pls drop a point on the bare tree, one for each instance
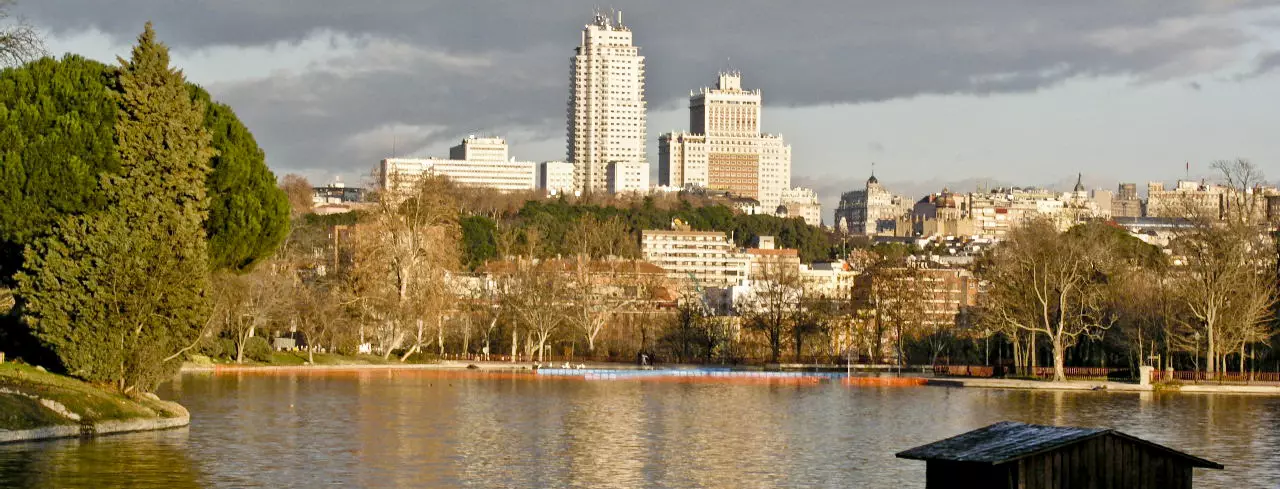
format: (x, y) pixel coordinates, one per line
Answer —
(770, 306)
(300, 193)
(247, 303)
(1227, 285)
(405, 250)
(536, 295)
(1241, 203)
(1052, 284)
(19, 42)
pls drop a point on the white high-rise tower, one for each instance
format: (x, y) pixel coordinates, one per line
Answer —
(606, 105)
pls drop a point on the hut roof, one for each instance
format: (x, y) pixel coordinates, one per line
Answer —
(1008, 441)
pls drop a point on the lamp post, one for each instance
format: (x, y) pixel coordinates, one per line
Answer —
(1197, 355)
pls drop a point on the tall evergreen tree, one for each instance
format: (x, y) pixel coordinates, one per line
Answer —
(248, 212)
(116, 293)
(57, 136)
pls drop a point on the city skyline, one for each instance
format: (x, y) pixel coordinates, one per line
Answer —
(1120, 93)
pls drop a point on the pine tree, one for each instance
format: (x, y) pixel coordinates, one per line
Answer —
(116, 293)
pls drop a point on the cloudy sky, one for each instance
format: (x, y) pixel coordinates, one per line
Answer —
(935, 92)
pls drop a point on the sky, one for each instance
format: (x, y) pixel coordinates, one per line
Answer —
(935, 93)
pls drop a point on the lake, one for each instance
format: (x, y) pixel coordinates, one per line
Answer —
(469, 430)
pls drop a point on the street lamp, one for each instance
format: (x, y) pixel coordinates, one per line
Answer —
(1197, 356)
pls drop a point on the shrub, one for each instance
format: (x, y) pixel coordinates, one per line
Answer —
(257, 349)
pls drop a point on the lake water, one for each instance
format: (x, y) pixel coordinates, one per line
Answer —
(464, 430)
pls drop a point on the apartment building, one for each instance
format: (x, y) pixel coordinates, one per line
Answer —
(702, 258)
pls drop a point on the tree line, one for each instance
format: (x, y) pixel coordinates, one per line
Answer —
(124, 189)
(1208, 304)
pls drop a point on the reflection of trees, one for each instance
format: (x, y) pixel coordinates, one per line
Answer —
(154, 459)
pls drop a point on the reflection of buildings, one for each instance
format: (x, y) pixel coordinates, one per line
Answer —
(870, 211)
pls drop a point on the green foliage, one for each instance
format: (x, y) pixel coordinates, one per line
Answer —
(248, 213)
(56, 135)
(257, 349)
(554, 220)
(116, 293)
(478, 240)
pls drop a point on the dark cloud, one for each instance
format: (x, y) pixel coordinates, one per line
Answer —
(1267, 62)
(799, 53)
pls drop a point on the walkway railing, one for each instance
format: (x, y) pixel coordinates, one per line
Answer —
(1217, 377)
(1072, 373)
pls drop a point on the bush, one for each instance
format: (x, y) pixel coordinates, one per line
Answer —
(211, 347)
(228, 348)
(257, 349)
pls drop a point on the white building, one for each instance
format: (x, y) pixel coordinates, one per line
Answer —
(802, 202)
(508, 176)
(870, 211)
(628, 177)
(724, 148)
(480, 149)
(706, 258)
(556, 177)
(606, 113)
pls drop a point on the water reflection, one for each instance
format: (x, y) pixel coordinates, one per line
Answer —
(457, 430)
(156, 459)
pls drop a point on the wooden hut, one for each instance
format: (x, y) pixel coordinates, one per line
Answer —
(1026, 456)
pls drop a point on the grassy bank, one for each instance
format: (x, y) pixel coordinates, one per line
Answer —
(30, 398)
(298, 359)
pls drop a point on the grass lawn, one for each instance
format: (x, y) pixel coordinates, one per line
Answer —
(22, 387)
(299, 358)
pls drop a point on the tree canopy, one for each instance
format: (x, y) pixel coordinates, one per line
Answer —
(116, 293)
(57, 137)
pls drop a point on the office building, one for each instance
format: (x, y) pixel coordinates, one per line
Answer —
(480, 149)
(556, 177)
(606, 112)
(724, 149)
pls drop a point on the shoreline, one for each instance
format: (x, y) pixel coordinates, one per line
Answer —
(103, 428)
(38, 405)
(952, 382)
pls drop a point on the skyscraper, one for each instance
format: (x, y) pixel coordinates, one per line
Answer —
(724, 149)
(606, 109)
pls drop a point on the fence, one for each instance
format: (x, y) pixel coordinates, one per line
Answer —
(1072, 373)
(1216, 377)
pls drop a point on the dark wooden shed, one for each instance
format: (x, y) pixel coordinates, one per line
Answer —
(1026, 456)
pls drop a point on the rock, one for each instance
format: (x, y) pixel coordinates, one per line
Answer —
(39, 368)
(151, 395)
(472, 366)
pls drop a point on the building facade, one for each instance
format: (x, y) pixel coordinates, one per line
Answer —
(724, 149)
(803, 203)
(480, 149)
(705, 258)
(870, 211)
(628, 177)
(556, 177)
(1186, 198)
(1126, 202)
(507, 176)
(606, 109)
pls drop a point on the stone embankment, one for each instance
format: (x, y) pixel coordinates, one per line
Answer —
(37, 405)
